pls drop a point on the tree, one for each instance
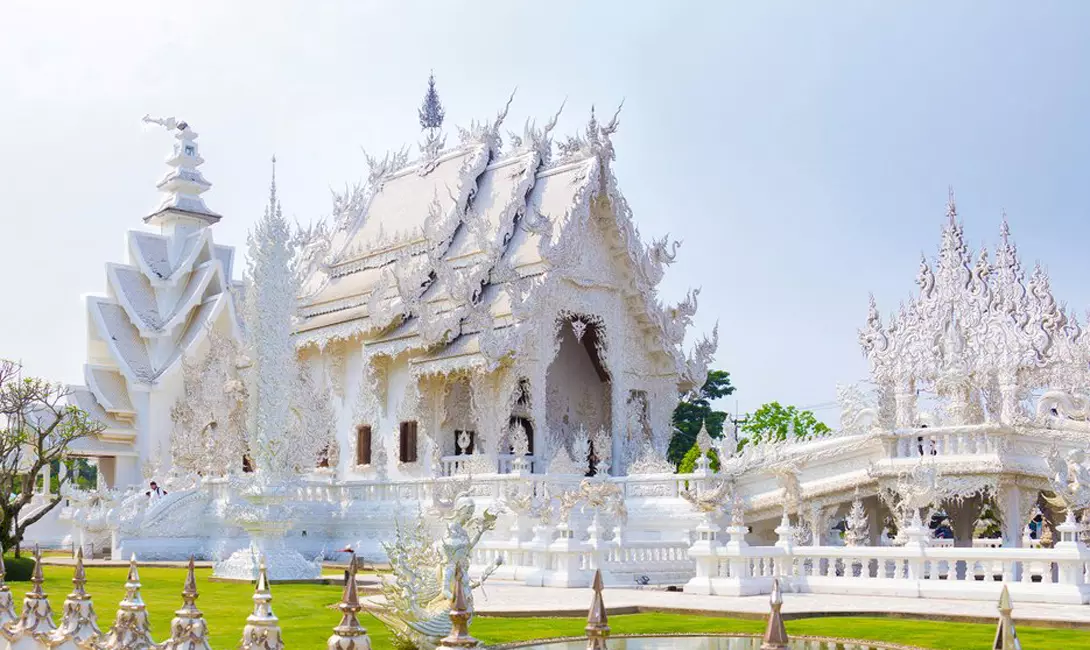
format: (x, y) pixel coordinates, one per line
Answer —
(688, 462)
(694, 410)
(774, 421)
(37, 427)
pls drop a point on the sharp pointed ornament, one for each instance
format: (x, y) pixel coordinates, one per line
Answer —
(1006, 638)
(79, 622)
(349, 634)
(183, 184)
(36, 619)
(131, 628)
(775, 637)
(597, 619)
(262, 631)
(460, 615)
(188, 629)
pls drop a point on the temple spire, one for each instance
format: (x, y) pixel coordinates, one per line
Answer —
(79, 623)
(597, 620)
(188, 630)
(431, 111)
(1006, 638)
(183, 183)
(775, 637)
(349, 634)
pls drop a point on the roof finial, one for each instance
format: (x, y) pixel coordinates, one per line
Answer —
(272, 185)
(183, 184)
(431, 111)
(951, 205)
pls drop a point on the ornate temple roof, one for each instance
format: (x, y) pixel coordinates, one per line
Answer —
(979, 320)
(447, 247)
(175, 287)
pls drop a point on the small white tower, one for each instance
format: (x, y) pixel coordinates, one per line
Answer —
(183, 184)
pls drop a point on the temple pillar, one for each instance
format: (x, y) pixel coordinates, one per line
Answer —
(1010, 407)
(1015, 505)
(963, 515)
(905, 401)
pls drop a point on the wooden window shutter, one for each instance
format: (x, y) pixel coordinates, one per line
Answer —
(363, 444)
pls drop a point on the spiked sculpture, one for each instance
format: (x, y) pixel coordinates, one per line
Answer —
(459, 616)
(1006, 638)
(188, 630)
(131, 629)
(597, 619)
(37, 618)
(79, 623)
(262, 631)
(7, 604)
(775, 634)
(349, 634)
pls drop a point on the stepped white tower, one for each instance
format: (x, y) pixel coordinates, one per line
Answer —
(158, 309)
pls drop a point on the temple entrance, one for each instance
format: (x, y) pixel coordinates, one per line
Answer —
(578, 391)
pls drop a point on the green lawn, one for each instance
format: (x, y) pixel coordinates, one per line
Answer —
(307, 621)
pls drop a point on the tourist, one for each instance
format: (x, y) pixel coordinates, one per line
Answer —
(155, 492)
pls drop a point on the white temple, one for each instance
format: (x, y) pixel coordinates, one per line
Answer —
(483, 321)
(158, 309)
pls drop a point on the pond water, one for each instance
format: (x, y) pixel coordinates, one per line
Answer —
(706, 643)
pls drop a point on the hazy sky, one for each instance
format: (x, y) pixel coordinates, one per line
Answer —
(801, 153)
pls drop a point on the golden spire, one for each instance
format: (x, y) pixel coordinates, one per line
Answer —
(597, 619)
(775, 634)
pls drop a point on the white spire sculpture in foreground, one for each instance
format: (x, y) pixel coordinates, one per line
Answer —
(131, 628)
(262, 631)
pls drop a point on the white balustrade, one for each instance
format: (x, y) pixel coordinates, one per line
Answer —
(1057, 575)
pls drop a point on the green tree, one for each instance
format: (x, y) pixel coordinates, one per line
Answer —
(688, 462)
(37, 425)
(774, 420)
(694, 410)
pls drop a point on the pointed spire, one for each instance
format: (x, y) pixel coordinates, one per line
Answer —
(183, 184)
(79, 622)
(262, 631)
(459, 615)
(272, 185)
(131, 628)
(775, 637)
(349, 634)
(188, 629)
(1006, 638)
(79, 576)
(951, 205)
(431, 111)
(597, 619)
(37, 616)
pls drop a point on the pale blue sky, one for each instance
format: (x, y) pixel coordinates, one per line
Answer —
(801, 153)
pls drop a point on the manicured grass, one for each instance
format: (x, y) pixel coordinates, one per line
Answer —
(307, 621)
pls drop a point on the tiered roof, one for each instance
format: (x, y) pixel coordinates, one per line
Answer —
(439, 254)
(161, 303)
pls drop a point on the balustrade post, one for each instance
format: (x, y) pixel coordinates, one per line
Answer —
(704, 553)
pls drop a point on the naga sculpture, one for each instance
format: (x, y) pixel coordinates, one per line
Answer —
(417, 602)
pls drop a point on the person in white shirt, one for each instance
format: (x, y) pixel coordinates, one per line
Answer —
(155, 491)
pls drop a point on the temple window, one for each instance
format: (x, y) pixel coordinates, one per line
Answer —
(528, 427)
(323, 457)
(464, 441)
(363, 444)
(407, 442)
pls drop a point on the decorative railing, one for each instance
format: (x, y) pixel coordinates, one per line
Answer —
(556, 558)
(918, 569)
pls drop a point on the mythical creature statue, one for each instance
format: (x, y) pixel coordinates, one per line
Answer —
(417, 602)
(1070, 479)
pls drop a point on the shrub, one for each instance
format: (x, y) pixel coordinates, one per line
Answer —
(19, 568)
(688, 462)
